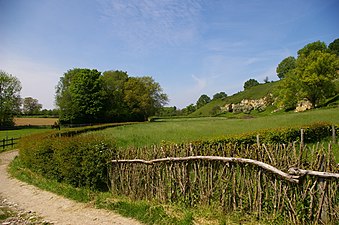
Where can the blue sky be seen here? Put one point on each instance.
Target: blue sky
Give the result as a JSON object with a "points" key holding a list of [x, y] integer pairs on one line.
{"points": [[191, 47]]}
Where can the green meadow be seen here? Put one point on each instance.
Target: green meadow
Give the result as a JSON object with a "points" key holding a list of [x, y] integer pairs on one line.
{"points": [[188, 129]]}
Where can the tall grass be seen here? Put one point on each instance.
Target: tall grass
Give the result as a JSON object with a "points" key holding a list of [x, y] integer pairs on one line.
{"points": [[189, 129]]}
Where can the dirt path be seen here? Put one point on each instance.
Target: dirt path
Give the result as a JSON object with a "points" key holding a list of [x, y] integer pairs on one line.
{"points": [[53, 208]]}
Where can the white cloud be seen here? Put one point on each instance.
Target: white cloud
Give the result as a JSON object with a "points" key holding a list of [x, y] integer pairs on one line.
{"points": [[149, 23]]}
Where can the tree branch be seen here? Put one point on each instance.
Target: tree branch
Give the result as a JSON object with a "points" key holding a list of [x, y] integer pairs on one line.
{"points": [[288, 177]]}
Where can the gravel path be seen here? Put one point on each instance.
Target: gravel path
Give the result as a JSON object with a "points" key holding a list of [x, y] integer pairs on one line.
{"points": [[51, 207]]}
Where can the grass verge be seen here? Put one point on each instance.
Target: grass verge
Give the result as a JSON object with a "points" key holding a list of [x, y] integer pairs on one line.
{"points": [[144, 211]]}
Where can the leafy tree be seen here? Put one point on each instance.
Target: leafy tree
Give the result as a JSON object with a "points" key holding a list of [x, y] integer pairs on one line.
{"points": [[10, 88], [287, 92], [285, 66], [311, 47], [115, 107], [31, 106], [315, 74], [312, 78], [250, 83], [169, 111], [219, 95], [334, 47], [189, 109], [80, 96], [203, 100], [144, 97]]}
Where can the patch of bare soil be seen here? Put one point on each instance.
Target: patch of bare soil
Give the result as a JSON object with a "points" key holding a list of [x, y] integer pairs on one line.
{"points": [[35, 121], [44, 207]]}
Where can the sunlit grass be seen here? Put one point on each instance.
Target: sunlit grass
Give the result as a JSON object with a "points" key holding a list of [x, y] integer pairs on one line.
{"points": [[189, 129]]}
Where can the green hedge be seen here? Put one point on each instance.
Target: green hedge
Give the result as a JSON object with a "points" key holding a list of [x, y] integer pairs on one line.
{"points": [[83, 160], [312, 134], [80, 160]]}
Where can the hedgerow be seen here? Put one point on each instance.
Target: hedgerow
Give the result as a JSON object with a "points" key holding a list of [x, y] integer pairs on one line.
{"points": [[83, 160], [80, 160]]}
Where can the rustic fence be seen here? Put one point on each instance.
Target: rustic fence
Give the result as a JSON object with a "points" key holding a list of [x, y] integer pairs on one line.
{"points": [[234, 178], [8, 142]]}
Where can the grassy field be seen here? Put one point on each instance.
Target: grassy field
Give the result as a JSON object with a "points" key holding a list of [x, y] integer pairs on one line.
{"points": [[188, 129], [21, 132], [29, 130]]}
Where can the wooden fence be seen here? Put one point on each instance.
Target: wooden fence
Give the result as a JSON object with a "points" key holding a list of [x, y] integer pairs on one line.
{"points": [[259, 186], [8, 142]]}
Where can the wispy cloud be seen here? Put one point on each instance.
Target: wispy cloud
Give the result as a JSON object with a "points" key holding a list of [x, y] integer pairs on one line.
{"points": [[152, 22]]}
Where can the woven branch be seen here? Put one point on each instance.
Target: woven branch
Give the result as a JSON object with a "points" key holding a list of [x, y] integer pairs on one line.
{"points": [[286, 176], [301, 172]]}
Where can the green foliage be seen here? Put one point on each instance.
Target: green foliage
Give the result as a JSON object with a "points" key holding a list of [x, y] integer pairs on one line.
{"points": [[80, 96], [312, 78], [189, 109], [203, 100], [80, 161], [255, 92], [31, 106], [333, 47], [10, 88], [315, 75], [312, 47], [116, 108], [86, 96], [250, 83], [220, 95], [144, 97], [286, 66]]}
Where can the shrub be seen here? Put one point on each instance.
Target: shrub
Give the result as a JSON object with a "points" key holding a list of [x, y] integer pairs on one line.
{"points": [[80, 161]]}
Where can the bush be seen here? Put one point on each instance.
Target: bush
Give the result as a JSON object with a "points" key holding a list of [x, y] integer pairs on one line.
{"points": [[81, 161]]}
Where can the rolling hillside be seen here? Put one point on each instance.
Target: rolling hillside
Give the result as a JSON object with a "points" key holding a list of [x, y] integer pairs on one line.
{"points": [[255, 92]]}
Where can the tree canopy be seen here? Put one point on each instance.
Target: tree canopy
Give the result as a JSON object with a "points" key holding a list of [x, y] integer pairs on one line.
{"points": [[31, 106], [250, 83], [203, 100], [10, 88], [87, 96], [286, 66], [312, 78], [333, 47], [219, 95]]}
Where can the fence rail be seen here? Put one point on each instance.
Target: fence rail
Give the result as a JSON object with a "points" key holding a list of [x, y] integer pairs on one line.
{"points": [[283, 181], [8, 142]]}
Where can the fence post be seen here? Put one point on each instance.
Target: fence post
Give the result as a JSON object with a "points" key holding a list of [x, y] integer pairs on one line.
{"points": [[3, 144], [333, 134], [302, 138], [258, 140]]}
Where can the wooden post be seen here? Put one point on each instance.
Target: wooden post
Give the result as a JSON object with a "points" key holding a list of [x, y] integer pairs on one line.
{"points": [[3, 144], [258, 140], [333, 134], [302, 138]]}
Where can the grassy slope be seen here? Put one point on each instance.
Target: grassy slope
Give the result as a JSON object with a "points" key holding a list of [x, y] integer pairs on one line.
{"points": [[182, 130], [256, 92]]}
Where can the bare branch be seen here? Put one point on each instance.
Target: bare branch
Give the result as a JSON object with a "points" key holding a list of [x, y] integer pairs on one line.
{"points": [[288, 177]]}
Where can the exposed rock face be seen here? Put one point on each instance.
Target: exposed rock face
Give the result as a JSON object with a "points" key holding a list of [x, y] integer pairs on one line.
{"points": [[303, 106], [247, 105]]}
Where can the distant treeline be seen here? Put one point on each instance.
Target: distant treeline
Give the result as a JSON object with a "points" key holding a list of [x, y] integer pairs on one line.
{"points": [[89, 96]]}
